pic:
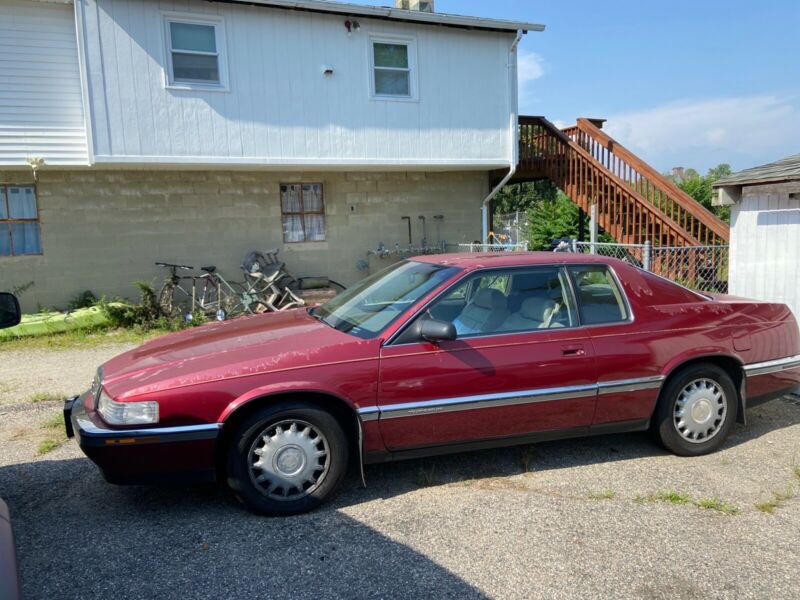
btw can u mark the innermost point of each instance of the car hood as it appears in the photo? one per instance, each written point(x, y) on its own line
point(223, 350)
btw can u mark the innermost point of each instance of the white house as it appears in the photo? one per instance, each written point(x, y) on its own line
point(133, 131)
point(765, 231)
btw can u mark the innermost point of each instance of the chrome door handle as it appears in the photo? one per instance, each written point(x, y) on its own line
point(573, 350)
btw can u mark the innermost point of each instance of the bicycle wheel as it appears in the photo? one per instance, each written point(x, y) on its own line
point(166, 300)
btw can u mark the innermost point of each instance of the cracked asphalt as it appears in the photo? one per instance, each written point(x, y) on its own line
point(589, 518)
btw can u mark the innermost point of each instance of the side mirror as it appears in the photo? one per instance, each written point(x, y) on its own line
point(435, 331)
point(10, 314)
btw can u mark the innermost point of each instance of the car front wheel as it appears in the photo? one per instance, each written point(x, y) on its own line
point(696, 410)
point(287, 458)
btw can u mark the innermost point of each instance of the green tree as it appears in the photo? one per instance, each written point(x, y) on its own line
point(551, 220)
point(701, 188)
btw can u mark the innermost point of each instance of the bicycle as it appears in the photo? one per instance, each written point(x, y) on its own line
point(166, 296)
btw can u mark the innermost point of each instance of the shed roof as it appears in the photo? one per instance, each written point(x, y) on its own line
point(786, 169)
point(396, 14)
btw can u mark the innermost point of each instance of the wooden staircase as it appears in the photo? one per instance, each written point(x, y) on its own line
point(635, 203)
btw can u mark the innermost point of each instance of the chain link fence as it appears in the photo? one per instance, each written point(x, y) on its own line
point(702, 268)
point(511, 228)
point(493, 247)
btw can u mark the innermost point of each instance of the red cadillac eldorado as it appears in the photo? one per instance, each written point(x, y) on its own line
point(433, 355)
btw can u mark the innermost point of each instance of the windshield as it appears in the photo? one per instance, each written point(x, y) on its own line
point(368, 307)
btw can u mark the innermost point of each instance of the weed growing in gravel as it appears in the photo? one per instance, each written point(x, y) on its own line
point(48, 445)
point(56, 435)
point(671, 496)
point(681, 498)
point(527, 455)
point(796, 471)
point(777, 499)
point(601, 495)
point(46, 397)
point(55, 422)
point(426, 477)
point(718, 505)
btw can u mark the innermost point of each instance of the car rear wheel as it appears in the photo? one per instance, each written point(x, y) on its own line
point(696, 410)
point(287, 458)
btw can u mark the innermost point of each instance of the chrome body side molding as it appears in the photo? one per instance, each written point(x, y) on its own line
point(772, 366)
point(444, 405)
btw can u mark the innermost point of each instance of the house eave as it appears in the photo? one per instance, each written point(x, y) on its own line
point(395, 14)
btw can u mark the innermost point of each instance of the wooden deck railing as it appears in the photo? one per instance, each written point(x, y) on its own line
point(634, 202)
point(652, 185)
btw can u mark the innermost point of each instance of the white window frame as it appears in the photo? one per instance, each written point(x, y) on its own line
point(219, 32)
point(411, 43)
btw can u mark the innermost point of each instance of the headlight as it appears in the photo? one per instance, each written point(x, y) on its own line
point(126, 413)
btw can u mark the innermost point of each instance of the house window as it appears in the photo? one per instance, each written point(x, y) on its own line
point(393, 69)
point(195, 53)
point(303, 212)
point(19, 221)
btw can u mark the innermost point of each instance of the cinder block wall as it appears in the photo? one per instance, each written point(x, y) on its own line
point(103, 230)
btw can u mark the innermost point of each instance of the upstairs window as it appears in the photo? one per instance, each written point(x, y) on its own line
point(393, 68)
point(19, 221)
point(303, 212)
point(195, 53)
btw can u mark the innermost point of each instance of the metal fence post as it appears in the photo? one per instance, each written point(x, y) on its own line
point(574, 245)
point(646, 256)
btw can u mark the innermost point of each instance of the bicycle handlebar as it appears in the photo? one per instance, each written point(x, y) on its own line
point(171, 266)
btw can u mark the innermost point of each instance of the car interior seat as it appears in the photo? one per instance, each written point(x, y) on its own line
point(484, 313)
point(536, 312)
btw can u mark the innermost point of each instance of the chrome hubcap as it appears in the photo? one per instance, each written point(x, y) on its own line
point(289, 460)
point(700, 410)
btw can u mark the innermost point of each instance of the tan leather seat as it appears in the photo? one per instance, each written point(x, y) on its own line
point(484, 314)
point(534, 313)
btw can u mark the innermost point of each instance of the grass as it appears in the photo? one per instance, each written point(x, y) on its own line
point(777, 499)
point(796, 471)
point(671, 497)
point(56, 435)
point(726, 508)
point(527, 455)
point(46, 397)
point(82, 339)
point(426, 476)
point(683, 499)
point(48, 445)
point(601, 495)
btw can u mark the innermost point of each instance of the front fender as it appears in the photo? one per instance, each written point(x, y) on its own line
point(283, 387)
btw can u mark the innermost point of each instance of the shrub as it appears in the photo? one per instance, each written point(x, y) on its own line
point(83, 300)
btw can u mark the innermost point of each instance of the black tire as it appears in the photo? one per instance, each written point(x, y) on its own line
point(709, 432)
point(241, 477)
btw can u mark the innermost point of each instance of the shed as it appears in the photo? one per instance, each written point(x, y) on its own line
point(765, 231)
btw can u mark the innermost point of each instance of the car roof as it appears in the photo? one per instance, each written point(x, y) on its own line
point(513, 259)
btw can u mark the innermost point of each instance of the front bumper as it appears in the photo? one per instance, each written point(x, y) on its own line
point(155, 454)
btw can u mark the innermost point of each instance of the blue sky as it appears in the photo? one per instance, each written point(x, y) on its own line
point(682, 82)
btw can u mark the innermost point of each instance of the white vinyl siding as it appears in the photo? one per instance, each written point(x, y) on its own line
point(41, 103)
point(195, 53)
point(280, 109)
point(765, 244)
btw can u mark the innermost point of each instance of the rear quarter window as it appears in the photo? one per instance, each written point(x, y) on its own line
point(600, 300)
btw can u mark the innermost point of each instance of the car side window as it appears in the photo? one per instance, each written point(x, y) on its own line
point(600, 299)
point(507, 301)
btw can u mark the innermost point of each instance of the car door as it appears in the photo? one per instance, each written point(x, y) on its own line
point(629, 379)
point(520, 364)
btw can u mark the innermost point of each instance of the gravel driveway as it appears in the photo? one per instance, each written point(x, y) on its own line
point(600, 517)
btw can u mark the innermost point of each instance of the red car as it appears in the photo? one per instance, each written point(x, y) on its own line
point(435, 355)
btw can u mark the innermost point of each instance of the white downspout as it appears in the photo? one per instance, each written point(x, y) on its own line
point(513, 134)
